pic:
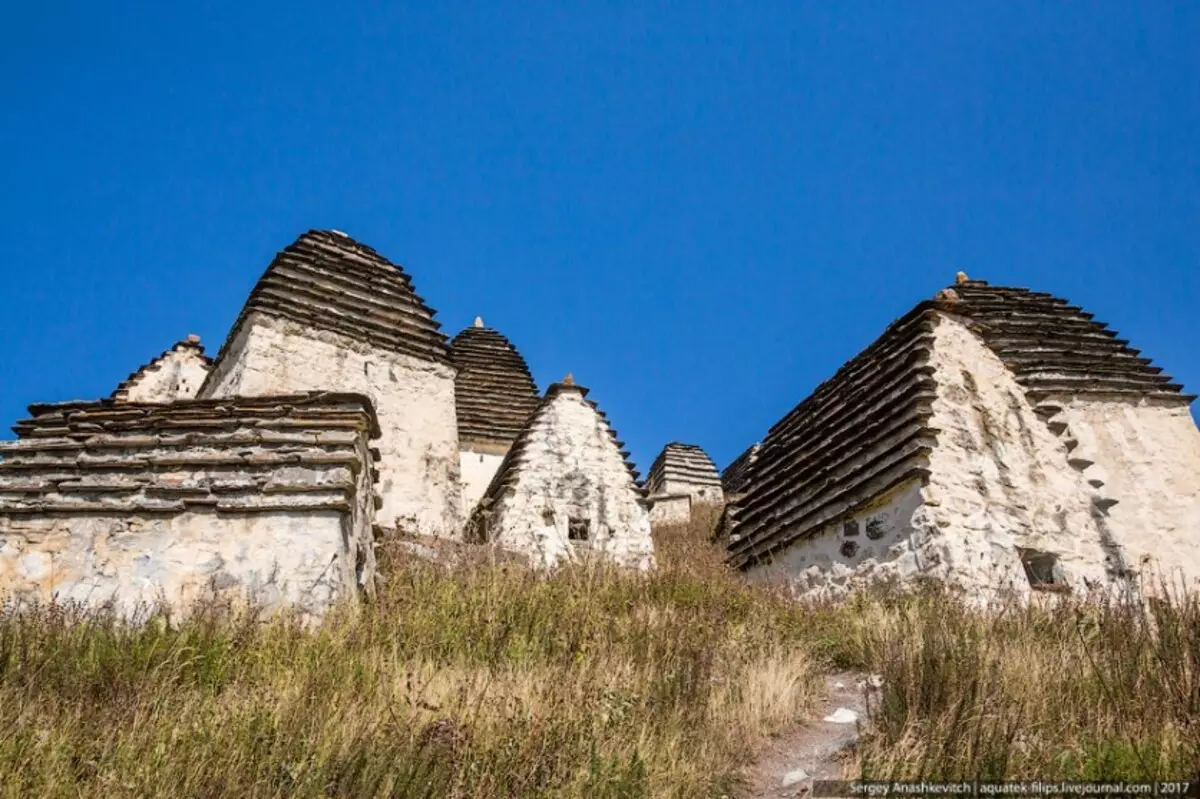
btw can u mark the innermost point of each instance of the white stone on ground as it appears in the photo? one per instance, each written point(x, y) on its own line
point(842, 715)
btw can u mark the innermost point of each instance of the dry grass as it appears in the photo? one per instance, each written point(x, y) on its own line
point(478, 680)
point(486, 680)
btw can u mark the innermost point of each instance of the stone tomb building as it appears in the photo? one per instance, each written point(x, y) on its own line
point(681, 477)
point(494, 395)
point(331, 314)
point(999, 438)
point(136, 503)
point(566, 489)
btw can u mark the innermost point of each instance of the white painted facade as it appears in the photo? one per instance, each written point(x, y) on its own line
point(297, 559)
point(413, 398)
point(177, 374)
point(570, 470)
point(476, 468)
point(1000, 481)
point(669, 509)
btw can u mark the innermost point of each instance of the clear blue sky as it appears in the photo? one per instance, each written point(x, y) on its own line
point(699, 209)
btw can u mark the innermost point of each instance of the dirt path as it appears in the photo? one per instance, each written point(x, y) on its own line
point(819, 749)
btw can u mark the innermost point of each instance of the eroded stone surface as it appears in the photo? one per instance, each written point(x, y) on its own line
point(413, 398)
point(268, 501)
point(566, 490)
point(176, 374)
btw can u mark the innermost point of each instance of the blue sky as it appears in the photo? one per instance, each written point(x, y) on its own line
point(699, 209)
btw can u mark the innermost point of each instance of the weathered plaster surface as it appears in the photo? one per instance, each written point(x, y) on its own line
point(414, 400)
point(999, 480)
point(177, 375)
point(476, 470)
point(670, 509)
point(570, 468)
point(297, 559)
point(1147, 458)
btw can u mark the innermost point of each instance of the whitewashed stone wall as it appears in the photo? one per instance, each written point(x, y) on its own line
point(414, 401)
point(1146, 457)
point(476, 470)
point(666, 509)
point(134, 505)
point(999, 480)
point(568, 468)
point(175, 375)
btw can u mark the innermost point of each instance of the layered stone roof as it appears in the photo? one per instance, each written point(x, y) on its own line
point(494, 390)
point(681, 466)
point(175, 374)
point(235, 454)
point(1055, 348)
point(506, 473)
point(328, 281)
point(860, 433)
point(736, 476)
point(865, 430)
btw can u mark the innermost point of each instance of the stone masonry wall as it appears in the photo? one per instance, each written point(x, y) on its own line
point(267, 501)
point(414, 402)
point(568, 467)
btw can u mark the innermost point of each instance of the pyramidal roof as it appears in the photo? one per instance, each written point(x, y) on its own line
point(806, 472)
point(328, 281)
point(190, 349)
point(506, 474)
point(493, 390)
point(684, 464)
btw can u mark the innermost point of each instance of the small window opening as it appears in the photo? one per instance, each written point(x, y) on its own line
point(850, 528)
point(849, 549)
point(1043, 570)
point(578, 529)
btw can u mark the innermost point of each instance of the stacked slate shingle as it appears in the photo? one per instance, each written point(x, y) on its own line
point(1055, 348)
point(494, 390)
point(236, 454)
point(865, 430)
point(860, 433)
point(328, 281)
point(736, 476)
point(682, 468)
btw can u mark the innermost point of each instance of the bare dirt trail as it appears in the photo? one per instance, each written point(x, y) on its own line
point(820, 748)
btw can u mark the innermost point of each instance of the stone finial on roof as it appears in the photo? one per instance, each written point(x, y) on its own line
point(478, 321)
point(192, 338)
point(960, 278)
point(569, 380)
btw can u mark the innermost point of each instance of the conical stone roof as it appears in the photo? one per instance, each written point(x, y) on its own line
point(494, 390)
point(682, 466)
point(328, 281)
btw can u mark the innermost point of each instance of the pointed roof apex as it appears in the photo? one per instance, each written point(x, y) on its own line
point(192, 338)
point(478, 321)
point(960, 278)
point(569, 380)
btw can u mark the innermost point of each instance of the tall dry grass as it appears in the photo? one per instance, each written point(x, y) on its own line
point(1059, 690)
point(483, 679)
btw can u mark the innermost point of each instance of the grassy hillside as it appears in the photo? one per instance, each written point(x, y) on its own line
point(482, 679)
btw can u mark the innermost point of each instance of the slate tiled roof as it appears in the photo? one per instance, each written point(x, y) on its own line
point(239, 452)
point(1055, 348)
point(736, 476)
point(329, 281)
point(189, 346)
point(494, 392)
point(682, 463)
point(506, 473)
point(861, 432)
point(865, 430)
